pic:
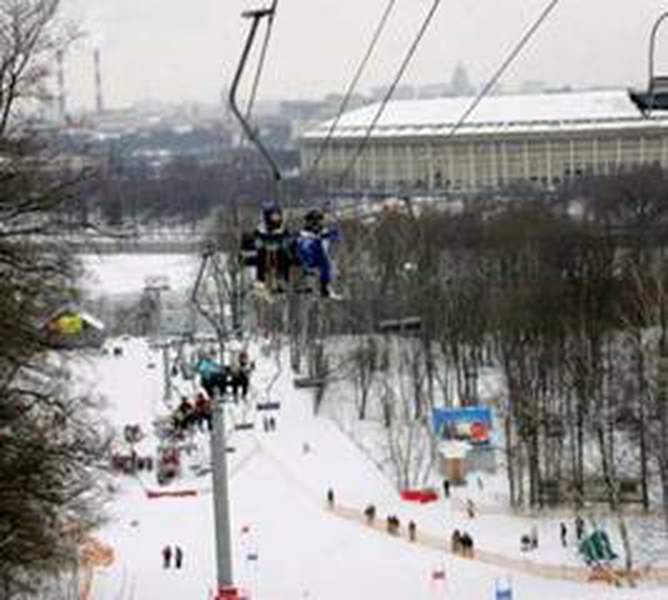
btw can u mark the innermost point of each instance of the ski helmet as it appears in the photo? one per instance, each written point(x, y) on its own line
point(314, 219)
point(272, 214)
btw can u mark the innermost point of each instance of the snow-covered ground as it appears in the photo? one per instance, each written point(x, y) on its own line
point(123, 274)
point(278, 483)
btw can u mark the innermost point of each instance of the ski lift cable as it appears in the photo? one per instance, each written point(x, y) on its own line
point(390, 92)
point(353, 85)
point(261, 61)
point(505, 65)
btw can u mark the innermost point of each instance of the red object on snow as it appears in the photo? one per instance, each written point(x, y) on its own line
point(422, 496)
point(151, 495)
point(231, 593)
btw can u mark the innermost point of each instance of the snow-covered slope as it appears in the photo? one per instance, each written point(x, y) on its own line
point(279, 513)
point(287, 545)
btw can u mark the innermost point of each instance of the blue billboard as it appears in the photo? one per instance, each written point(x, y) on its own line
point(469, 423)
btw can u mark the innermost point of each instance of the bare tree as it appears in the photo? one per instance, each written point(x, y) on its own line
point(53, 447)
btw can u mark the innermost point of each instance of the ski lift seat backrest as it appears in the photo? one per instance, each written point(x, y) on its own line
point(659, 84)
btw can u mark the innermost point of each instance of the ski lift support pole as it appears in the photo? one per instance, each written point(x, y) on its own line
point(225, 582)
point(256, 16)
point(221, 498)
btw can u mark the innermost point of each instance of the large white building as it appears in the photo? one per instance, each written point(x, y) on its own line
point(545, 139)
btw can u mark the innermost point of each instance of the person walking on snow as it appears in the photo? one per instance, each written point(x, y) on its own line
point(166, 557)
point(534, 537)
point(446, 488)
point(178, 557)
point(579, 527)
point(563, 532)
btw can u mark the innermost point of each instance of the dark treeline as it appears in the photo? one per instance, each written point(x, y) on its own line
point(564, 295)
point(52, 442)
point(183, 188)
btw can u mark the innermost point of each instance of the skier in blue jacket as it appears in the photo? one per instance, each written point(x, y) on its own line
point(212, 375)
point(312, 249)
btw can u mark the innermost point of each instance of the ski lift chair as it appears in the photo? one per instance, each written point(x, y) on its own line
point(244, 426)
point(656, 96)
point(308, 382)
point(407, 325)
point(268, 406)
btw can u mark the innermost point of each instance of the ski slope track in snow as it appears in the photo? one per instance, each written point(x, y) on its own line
point(287, 543)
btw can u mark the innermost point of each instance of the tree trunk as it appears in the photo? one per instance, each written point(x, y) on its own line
point(510, 459)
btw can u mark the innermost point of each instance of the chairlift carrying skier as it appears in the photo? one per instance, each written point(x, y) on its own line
point(269, 249)
point(312, 250)
point(212, 375)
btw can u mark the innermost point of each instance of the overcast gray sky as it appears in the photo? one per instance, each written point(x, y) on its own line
point(187, 49)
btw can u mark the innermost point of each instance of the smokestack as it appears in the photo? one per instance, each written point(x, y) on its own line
point(99, 99)
point(62, 99)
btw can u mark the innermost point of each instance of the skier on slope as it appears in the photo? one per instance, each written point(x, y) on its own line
point(312, 250)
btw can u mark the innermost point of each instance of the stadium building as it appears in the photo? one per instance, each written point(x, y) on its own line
point(545, 139)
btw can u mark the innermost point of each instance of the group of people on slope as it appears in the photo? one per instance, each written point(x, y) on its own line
point(274, 251)
point(168, 553)
point(462, 543)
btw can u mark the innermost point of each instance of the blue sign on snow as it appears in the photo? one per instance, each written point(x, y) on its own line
point(470, 414)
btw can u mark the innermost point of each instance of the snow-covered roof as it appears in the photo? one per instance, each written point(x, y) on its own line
point(495, 114)
point(91, 320)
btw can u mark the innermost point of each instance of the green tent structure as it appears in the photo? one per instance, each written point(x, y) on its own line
point(596, 548)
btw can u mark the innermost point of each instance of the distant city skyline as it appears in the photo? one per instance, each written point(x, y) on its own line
point(176, 52)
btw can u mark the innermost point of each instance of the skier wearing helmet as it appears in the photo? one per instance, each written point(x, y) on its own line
point(272, 244)
point(312, 249)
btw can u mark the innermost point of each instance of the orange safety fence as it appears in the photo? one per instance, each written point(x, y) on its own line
point(578, 574)
point(93, 554)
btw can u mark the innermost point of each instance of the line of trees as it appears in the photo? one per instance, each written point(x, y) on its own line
point(51, 443)
point(565, 295)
